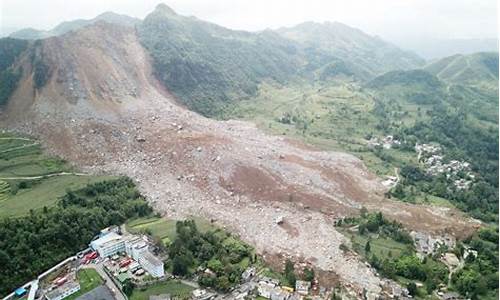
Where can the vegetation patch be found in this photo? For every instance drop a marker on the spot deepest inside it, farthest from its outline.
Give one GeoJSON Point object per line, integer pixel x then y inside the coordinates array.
{"type": "Point", "coordinates": [217, 257]}
{"type": "Point", "coordinates": [389, 248]}
{"type": "Point", "coordinates": [478, 279]}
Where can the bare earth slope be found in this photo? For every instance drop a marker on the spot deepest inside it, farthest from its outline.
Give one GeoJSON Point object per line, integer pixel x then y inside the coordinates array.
{"type": "Point", "coordinates": [103, 110]}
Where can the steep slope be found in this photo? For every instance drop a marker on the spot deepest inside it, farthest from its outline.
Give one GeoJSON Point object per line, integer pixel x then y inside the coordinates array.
{"type": "Point", "coordinates": [10, 49]}
{"type": "Point", "coordinates": [101, 108]}
{"type": "Point", "coordinates": [466, 69]}
{"type": "Point", "coordinates": [206, 65]}
{"type": "Point", "coordinates": [64, 27]}
{"type": "Point", "coordinates": [369, 54]}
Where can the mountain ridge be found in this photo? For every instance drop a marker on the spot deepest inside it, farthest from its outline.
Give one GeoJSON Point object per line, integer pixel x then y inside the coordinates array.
{"type": "Point", "coordinates": [67, 26]}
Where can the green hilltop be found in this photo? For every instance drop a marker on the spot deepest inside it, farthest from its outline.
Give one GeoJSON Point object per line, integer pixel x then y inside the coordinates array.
{"type": "Point", "coordinates": [473, 68]}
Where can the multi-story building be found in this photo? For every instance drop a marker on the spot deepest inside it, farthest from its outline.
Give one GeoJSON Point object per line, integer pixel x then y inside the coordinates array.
{"type": "Point", "coordinates": [138, 250]}
{"type": "Point", "coordinates": [134, 246]}
{"type": "Point", "coordinates": [151, 264]}
{"type": "Point", "coordinates": [108, 244]}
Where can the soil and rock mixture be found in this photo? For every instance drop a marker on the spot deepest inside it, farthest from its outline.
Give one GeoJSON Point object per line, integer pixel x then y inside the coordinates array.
{"type": "Point", "coordinates": [103, 110]}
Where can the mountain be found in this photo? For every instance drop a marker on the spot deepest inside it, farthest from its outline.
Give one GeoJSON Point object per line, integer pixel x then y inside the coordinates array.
{"type": "Point", "coordinates": [207, 65]}
{"type": "Point", "coordinates": [466, 69]}
{"type": "Point", "coordinates": [370, 54]}
{"type": "Point", "coordinates": [64, 27]}
{"type": "Point", "coordinates": [101, 98]}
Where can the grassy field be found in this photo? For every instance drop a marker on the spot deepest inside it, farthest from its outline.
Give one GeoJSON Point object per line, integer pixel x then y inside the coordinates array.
{"type": "Point", "coordinates": [174, 288]}
{"type": "Point", "coordinates": [162, 228]}
{"type": "Point", "coordinates": [25, 181]}
{"type": "Point", "coordinates": [89, 279]}
{"type": "Point", "coordinates": [381, 247]}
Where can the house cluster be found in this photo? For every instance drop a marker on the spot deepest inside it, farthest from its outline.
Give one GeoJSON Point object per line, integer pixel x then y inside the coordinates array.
{"type": "Point", "coordinates": [459, 172]}
{"type": "Point", "coordinates": [270, 288]}
{"type": "Point", "coordinates": [386, 142]}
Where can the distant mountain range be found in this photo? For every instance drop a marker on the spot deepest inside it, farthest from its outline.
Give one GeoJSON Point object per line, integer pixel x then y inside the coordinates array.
{"type": "Point", "coordinates": [432, 49]}
{"type": "Point", "coordinates": [64, 27]}
{"type": "Point", "coordinates": [370, 54]}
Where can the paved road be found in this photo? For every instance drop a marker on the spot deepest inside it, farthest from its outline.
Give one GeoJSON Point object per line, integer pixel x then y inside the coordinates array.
{"type": "Point", "coordinates": [109, 282]}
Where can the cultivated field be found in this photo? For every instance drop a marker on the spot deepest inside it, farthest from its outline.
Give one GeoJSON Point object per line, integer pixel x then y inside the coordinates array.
{"type": "Point", "coordinates": [29, 179]}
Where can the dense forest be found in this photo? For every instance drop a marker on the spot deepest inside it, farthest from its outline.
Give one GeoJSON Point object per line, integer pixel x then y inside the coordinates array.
{"type": "Point", "coordinates": [32, 244]}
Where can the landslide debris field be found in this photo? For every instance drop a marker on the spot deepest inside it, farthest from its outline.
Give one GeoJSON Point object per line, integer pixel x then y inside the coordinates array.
{"type": "Point", "coordinates": [102, 109]}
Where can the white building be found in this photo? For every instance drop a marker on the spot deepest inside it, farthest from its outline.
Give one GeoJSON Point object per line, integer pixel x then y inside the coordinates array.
{"type": "Point", "coordinates": [108, 244]}
{"type": "Point", "coordinates": [151, 264]}
{"type": "Point", "coordinates": [63, 291]}
{"type": "Point", "coordinates": [137, 248]}
{"type": "Point", "coordinates": [302, 287]}
{"type": "Point", "coordinates": [134, 246]}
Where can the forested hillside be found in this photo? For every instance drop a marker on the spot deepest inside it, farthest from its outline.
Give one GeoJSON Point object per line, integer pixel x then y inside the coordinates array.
{"type": "Point", "coordinates": [210, 67]}
{"type": "Point", "coordinates": [9, 51]}
{"type": "Point", "coordinates": [206, 65]}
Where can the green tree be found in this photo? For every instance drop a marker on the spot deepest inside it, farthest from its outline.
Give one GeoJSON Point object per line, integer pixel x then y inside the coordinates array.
{"type": "Point", "coordinates": [412, 288]}
{"type": "Point", "coordinates": [367, 247]}
{"type": "Point", "coordinates": [290, 273]}
{"type": "Point", "coordinates": [308, 274]}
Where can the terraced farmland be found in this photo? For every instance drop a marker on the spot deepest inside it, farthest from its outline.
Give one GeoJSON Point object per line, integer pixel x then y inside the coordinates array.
{"type": "Point", "coordinates": [30, 179]}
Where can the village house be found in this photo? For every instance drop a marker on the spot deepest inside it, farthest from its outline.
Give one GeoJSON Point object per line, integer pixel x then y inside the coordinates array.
{"type": "Point", "coordinates": [302, 287]}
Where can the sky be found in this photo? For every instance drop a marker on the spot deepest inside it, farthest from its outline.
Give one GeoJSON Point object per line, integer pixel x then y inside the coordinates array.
{"type": "Point", "coordinates": [390, 19]}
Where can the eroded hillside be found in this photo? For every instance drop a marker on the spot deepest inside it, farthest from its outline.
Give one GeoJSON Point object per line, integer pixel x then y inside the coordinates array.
{"type": "Point", "coordinates": [102, 109]}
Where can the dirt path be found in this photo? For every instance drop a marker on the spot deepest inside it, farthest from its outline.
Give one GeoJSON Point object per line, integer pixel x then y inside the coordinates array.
{"type": "Point", "coordinates": [15, 138]}
{"type": "Point", "coordinates": [19, 147]}
{"type": "Point", "coordinates": [43, 176]}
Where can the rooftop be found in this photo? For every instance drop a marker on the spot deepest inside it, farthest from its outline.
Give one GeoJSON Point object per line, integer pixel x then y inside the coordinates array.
{"type": "Point", "coordinates": [151, 258]}
{"type": "Point", "coordinates": [108, 238]}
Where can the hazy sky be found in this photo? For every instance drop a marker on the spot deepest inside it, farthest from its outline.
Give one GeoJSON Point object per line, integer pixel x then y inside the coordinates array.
{"type": "Point", "coordinates": [391, 19]}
